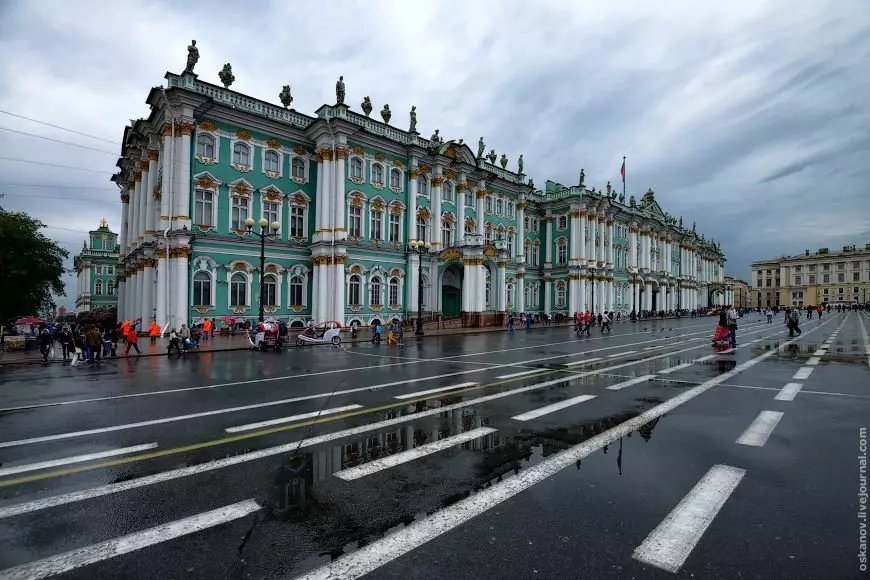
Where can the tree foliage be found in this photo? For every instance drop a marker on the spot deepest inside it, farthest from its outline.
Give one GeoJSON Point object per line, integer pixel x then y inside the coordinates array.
{"type": "Point", "coordinates": [31, 266]}
{"type": "Point", "coordinates": [103, 316]}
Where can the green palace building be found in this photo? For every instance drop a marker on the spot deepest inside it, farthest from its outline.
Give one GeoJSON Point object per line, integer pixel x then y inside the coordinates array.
{"type": "Point", "coordinates": [348, 194]}
{"type": "Point", "coordinates": [97, 269]}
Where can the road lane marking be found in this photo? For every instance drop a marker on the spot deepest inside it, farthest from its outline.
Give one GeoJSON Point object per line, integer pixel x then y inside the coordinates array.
{"type": "Point", "coordinates": [652, 347]}
{"type": "Point", "coordinates": [803, 373]}
{"type": "Point", "coordinates": [75, 459]}
{"type": "Point", "coordinates": [757, 434]}
{"type": "Point", "coordinates": [521, 374]}
{"type": "Point", "coordinates": [411, 454]}
{"type": "Point", "coordinates": [813, 360]}
{"type": "Point", "coordinates": [540, 412]}
{"type": "Point", "coordinates": [789, 392]}
{"type": "Point", "coordinates": [705, 357]}
{"type": "Point", "coordinates": [581, 362]}
{"type": "Point", "coordinates": [669, 545]}
{"type": "Point", "coordinates": [356, 369]}
{"type": "Point", "coordinates": [674, 369]}
{"type": "Point", "coordinates": [290, 419]}
{"type": "Point", "coordinates": [382, 551]}
{"type": "Point", "coordinates": [621, 354]}
{"type": "Point", "coordinates": [438, 390]}
{"type": "Point", "coordinates": [635, 381]}
{"type": "Point", "coordinates": [109, 549]}
{"type": "Point", "coordinates": [68, 498]}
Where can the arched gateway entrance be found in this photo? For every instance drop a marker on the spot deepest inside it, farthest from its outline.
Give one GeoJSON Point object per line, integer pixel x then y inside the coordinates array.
{"type": "Point", "coordinates": [451, 290]}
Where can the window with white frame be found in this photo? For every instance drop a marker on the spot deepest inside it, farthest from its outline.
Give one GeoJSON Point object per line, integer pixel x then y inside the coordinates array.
{"type": "Point", "coordinates": [99, 269]}
{"type": "Point", "coordinates": [298, 168]}
{"type": "Point", "coordinates": [487, 204]}
{"type": "Point", "coordinates": [110, 288]}
{"type": "Point", "coordinates": [527, 295]}
{"type": "Point", "coordinates": [499, 207]}
{"type": "Point", "coordinates": [296, 288]}
{"type": "Point", "coordinates": [509, 294]}
{"type": "Point", "coordinates": [447, 191]}
{"type": "Point", "coordinates": [421, 228]}
{"type": "Point", "coordinates": [560, 295]}
{"type": "Point", "coordinates": [562, 252]}
{"type": "Point", "coordinates": [499, 233]}
{"type": "Point", "coordinates": [242, 154]}
{"type": "Point", "coordinates": [487, 293]}
{"type": "Point", "coordinates": [202, 289]}
{"type": "Point", "coordinates": [469, 229]}
{"type": "Point", "coordinates": [469, 198]}
{"type": "Point", "coordinates": [203, 207]}
{"type": "Point", "coordinates": [535, 252]}
{"type": "Point", "coordinates": [297, 221]}
{"type": "Point", "coordinates": [272, 211]}
{"type": "Point", "coordinates": [356, 168]}
{"type": "Point", "coordinates": [510, 243]}
{"type": "Point", "coordinates": [241, 207]}
{"type": "Point", "coordinates": [98, 288]}
{"type": "Point", "coordinates": [394, 291]}
{"type": "Point", "coordinates": [272, 162]}
{"type": "Point", "coordinates": [511, 210]}
{"type": "Point", "coordinates": [446, 233]}
{"type": "Point", "coordinates": [354, 219]}
{"type": "Point", "coordinates": [205, 145]}
{"type": "Point", "coordinates": [527, 246]}
{"type": "Point", "coordinates": [375, 291]}
{"type": "Point", "coordinates": [110, 270]}
{"type": "Point", "coordinates": [487, 234]}
{"type": "Point", "coordinates": [536, 295]}
{"type": "Point", "coordinates": [238, 289]}
{"type": "Point", "coordinates": [563, 222]}
{"type": "Point", "coordinates": [376, 232]}
{"type": "Point", "coordinates": [422, 185]}
{"type": "Point", "coordinates": [377, 174]}
{"type": "Point", "coordinates": [395, 227]}
{"type": "Point", "coordinates": [354, 286]}
{"type": "Point", "coordinates": [270, 290]}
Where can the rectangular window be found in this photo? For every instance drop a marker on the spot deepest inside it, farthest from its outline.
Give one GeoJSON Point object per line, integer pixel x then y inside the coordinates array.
{"type": "Point", "coordinates": [563, 222]}
{"type": "Point", "coordinates": [826, 267]}
{"type": "Point", "coordinates": [297, 221]}
{"type": "Point", "coordinates": [270, 291]}
{"type": "Point", "coordinates": [394, 292]}
{"type": "Point", "coordinates": [511, 210]}
{"type": "Point", "coordinates": [99, 270]}
{"type": "Point", "coordinates": [499, 207]}
{"type": "Point", "coordinates": [110, 289]}
{"type": "Point", "coordinates": [856, 276]}
{"type": "Point", "coordinates": [446, 235]}
{"type": "Point", "coordinates": [562, 255]}
{"type": "Point", "coordinates": [377, 232]}
{"type": "Point", "coordinates": [354, 226]}
{"type": "Point", "coordinates": [240, 210]}
{"type": "Point", "coordinates": [510, 245]}
{"type": "Point", "coordinates": [421, 229]}
{"type": "Point", "coordinates": [812, 267]}
{"type": "Point", "coordinates": [841, 277]}
{"type": "Point", "coordinates": [841, 265]}
{"type": "Point", "coordinates": [395, 224]}
{"type": "Point", "coordinates": [110, 270]}
{"type": "Point", "coordinates": [271, 212]}
{"type": "Point", "coordinates": [826, 278]}
{"type": "Point", "coordinates": [202, 207]}
{"type": "Point", "coordinates": [395, 179]}
{"type": "Point", "coordinates": [797, 280]}
{"type": "Point", "coordinates": [797, 268]}
{"type": "Point", "coordinates": [488, 204]}
{"type": "Point", "coordinates": [296, 291]}
{"type": "Point", "coordinates": [469, 199]}
{"type": "Point", "coordinates": [812, 278]}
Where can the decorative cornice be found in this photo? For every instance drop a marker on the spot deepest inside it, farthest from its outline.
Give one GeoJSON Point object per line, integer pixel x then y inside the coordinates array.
{"type": "Point", "coordinates": [153, 154]}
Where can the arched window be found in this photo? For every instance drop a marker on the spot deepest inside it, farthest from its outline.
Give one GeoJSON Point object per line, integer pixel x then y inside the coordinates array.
{"type": "Point", "coordinates": [488, 291]}
{"type": "Point", "coordinates": [238, 289]}
{"type": "Point", "coordinates": [562, 253]}
{"type": "Point", "coordinates": [510, 243]}
{"type": "Point", "coordinates": [272, 161]}
{"type": "Point", "coordinates": [241, 154]}
{"type": "Point", "coordinates": [446, 233]}
{"type": "Point", "coordinates": [378, 173]}
{"type": "Point", "coordinates": [270, 291]}
{"type": "Point", "coordinates": [395, 178]}
{"type": "Point", "coordinates": [375, 291]}
{"type": "Point", "coordinates": [560, 295]}
{"type": "Point", "coordinates": [296, 291]}
{"type": "Point", "coordinates": [394, 291]}
{"type": "Point", "coordinates": [205, 145]}
{"type": "Point", "coordinates": [499, 207]}
{"type": "Point", "coordinates": [110, 288]}
{"type": "Point", "coordinates": [421, 229]}
{"type": "Point", "coordinates": [487, 234]}
{"type": "Point", "coordinates": [487, 204]}
{"type": "Point", "coordinates": [469, 198]}
{"type": "Point", "coordinates": [98, 288]}
{"type": "Point", "coordinates": [353, 295]}
{"type": "Point", "coordinates": [422, 185]}
{"type": "Point", "coordinates": [447, 191]}
{"type": "Point", "coordinates": [469, 229]}
{"type": "Point", "coordinates": [298, 168]}
{"type": "Point", "coordinates": [527, 293]}
{"type": "Point", "coordinates": [509, 295]}
{"type": "Point", "coordinates": [356, 168]}
{"type": "Point", "coordinates": [201, 289]}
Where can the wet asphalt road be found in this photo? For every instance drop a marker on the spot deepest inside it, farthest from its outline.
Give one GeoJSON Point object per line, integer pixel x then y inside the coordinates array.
{"type": "Point", "coordinates": [218, 465]}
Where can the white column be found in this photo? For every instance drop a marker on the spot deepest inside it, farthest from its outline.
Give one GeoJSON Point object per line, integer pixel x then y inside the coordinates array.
{"type": "Point", "coordinates": [122, 296]}
{"type": "Point", "coordinates": [581, 238]}
{"type": "Point", "coordinates": [548, 286]}
{"type": "Point", "coordinates": [125, 211]}
{"type": "Point", "coordinates": [325, 210]}
{"type": "Point", "coordinates": [548, 248]}
{"type": "Point", "coordinates": [339, 304]}
{"type": "Point", "coordinates": [167, 182]}
{"type": "Point", "coordinates": [180, 288]}
{"type": "Point", "coordinates": [337, 198]}
{"type": "Point", "coordinates": [574, 247]}
{"type": "Point", "coordinates": [573, 294]}
{"type": "Point", "coordinates": [162, 288]}
{"type": "Point", "coordinates": [182, 194]}
{"type": "Point", "coordinates": [322, 304]}
{"type": "Point", "coordinates": [520, 246]}
{"type": "Point", "coordinates": [434, 287]}
{"type": "Point", "coordinates": [467, 275]}
{"type": "Point", "coordinates": [608, 290]}
{"type": "Point", "coordinates": [146, 311]}
{"type": "Point", "coordinates": [133, 305]}
{"type": "Point", "coordinates": [435, 203]}
{"type": "Point", "coordinates": [480, 288]}
{"type": "Point", "coordinates": [314, 299]}
{"type": "Point", "coordinates": [581, 302]}
{"type": "Point", "coordinates": [460, 211]}
{"type": "Point", "coordinates": [481, 214]}
{"type": "Point", "coordinates": [521, 292]}
{"type": "Point", "coordinates": [150, 205]}
{"type": "Point", "coordinates": [412, 211]}
{"type": "Point", "coordinates": [133, 222]}
{"type": "Point", "coordinates": [593, 231]}
{"type": "Point", "coordinates": [318, 193]}
{"type": "Point", "coordinates": [609, 230]}
{"type": "Point", "coordinates": [143, 200]}
{"type": "Point", "coordinates": [501, 288]}
{"type": "Point", "coordinates": [632, 248]}
{"type": "Point", "coordinates": [413, 277]}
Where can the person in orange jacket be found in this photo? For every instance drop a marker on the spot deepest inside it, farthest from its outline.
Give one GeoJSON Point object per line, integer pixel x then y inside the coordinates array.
{"type": "Point", "coordinates": [125, 329]}
{"type": "Point", "coordinates": [153, 331]}
{"type": "Point", "coordinates": [206, 329]}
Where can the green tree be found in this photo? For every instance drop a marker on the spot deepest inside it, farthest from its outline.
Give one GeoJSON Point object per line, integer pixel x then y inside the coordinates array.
{"type": "Point", "coordinates": [31, 266]}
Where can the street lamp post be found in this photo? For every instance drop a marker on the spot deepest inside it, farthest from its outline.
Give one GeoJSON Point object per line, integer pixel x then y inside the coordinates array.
{"type": "Point", "coordinates": [264, 234]}
{"type": "Point", "coordinates": [419, 247]}
{"type": "Point", "coordinates": [633, 271]}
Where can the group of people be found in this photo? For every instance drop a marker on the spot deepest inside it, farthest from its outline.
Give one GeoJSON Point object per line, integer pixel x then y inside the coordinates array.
{"type": "Point", "coordinates": [89, 343]}
{"type": "Point", "coordinates": [583, 322]}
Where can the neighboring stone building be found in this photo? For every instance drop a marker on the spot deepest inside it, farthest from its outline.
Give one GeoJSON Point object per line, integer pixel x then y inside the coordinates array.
{"type": "Point", "coordinates": [95, 270]}
{"type": "Point", "coordinates": [348, 193]}
{"type": "Point", "coordinates": [810, 279]}
{"type": "Point", "coordinates": [740, 291]}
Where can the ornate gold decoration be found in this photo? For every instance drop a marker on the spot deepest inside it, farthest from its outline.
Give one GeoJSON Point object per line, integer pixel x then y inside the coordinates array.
{"type": "Point", "coordinates": [355, 270]}
{"type": "Point", "coordinates": [243, 135]}
{"type": "Point", "coordinates": [395, 272]}
{"type": "Point", "coordinates": [481, 193]}
{"type": "Point", "coordinates": [490, 251]}
{"type": "Point", "coordinates": [241, 189]}
{"type": "Point", "coordinates": [342, 152]}
{"type": "Point", "coordinates": [239, 266]}
{"type": "Point", "coordinates": [396, 209]}
{"type": "Point", "coordinates": [207, 126]}
{"type": "Point", "coordinates": [502, 263]}
{"type": "Point", "coordinates": [204, 182]}
{"type": "Point", "coordinates": [470, 223]}
{"type": "Point", "coordinates": [398, 163]}
{"type": "Point", "coordinates": [377, 205]}
{"type": "Point", "coordinates": [437, 181]}
{"type": "Point", "coordinates": [242, 168]}
{"type": "Point", "coordinates": [521, 275]}
{"type": "Point", "coordinates": [448, 219]}
{"type": "Point", "coordinates": [272, 269]}
{"type": "Point", "coordinates": [423, 213]}
{"type": "Point", "coordinates": [424, 168]}
{"type": "Point", "coordinates": [574, 213]}
{"type": "Point", "coordinates": [474, 261]}
{"type": "Point", "coordinates": [299, 199]}
{"type": "Point", "coordinates": [449, 174]}
{"type": "Point", "coordinates": [379, 157]}
{"type": "Point", "coordinates": [359, 150]}
{"type": "Point", "coordinates": [184, 252]}
{"type": "Point", "coordinates": [203, 229]}
{"type": "Point", "coordinates": [452, 152]}
{"type": "Point", "coordinates": [272, 174]}
{"type": "Point", "coordinates": [137, 177]}
{"type": "Point", "coordinates": [300, 150]}
{"type": "Point", "coordinates": [148, 263]}
{"type": "Point", "coordinates": [548, 218]}
{"type": "Point", "coordinates": [273, 195]}
{"type": "Point", "coordinates": [273, 143]}
{"type": "Point", "coordinates": [521, 205]}
{"type": "Point", "coordinates": [166, 129]}
{"type": "Point", "coordinates": [185, 128]}
{"type": "Point", "coordinates": [202, 309]}
{"type": "Point", "coordinates": [339, 259]}
{"type": "Point", "coordinates": [461, 187]}
{"type": "Point", "coordinates": [356, 199]}
{"type": "Point", "coordinates": [153, 154]}
{"type": "Point", "coordinates": [125, 198]}
{"type": "Point", "coordinates": [414, 173]}
{"type": "Point", "coordinates": [240, 309]}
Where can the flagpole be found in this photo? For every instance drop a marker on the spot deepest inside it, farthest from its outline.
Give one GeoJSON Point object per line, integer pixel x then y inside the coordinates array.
{"type": "Point", "coordinates": [623, 177]}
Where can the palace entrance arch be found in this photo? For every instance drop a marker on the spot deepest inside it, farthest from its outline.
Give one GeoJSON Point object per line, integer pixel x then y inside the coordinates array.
{"type": "Point", "coordinates": [451, 290]}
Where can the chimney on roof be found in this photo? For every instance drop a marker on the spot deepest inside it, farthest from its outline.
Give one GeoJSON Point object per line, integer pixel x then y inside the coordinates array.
{"type": "Point", "coordinates": [806, 252]}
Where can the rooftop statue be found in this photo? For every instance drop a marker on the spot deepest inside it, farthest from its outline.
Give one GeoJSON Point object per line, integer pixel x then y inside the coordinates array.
{"type": "Point", "coordinates": [480, 147]}
{"type": "Point", "coordinates": [621, 198]}
{"type": "Point", "coordinates": [632, 202]}
{"type": "Point", "coordinates": [503, 161]}
{"type": "Point", "coordinates": [386, 114]}
{"type": "Point", "coordinates": [609, 189]}
{"type": "Point", "coordinates": [192, 57]}
{"type": "Point", "coordinates": [286, 96]}
{"type": "Point", "coordinates": [582, 182]}
{"type": "Point", "coordinates": [339, 91]}
{"type": "Point", "coordinates": [492, 156]}
{"type": "Point", "coordinates": [520, 164]}
{"type": "Point", "coordinates": [366, 106]}
{"type": "Point", "coordinates": [412, 128]}
{"type": "Point", "coordinates": [226, 75]}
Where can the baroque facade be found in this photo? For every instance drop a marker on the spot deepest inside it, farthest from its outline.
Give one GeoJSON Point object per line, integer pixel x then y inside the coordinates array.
{"type": "Point", "coordinates": [95, 268]}
{"type": "Point", "coordinates": [348, 193]}
{"type": "Point", "coordinates": [813, 278]}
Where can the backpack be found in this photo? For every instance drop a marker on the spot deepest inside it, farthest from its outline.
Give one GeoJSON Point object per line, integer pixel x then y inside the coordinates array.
{"type": "Point", "coordinates": [794, 317]}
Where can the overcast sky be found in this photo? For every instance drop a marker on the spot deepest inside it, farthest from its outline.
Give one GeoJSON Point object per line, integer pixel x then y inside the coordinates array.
{"type": "Point", "coordinates": [748, 117]}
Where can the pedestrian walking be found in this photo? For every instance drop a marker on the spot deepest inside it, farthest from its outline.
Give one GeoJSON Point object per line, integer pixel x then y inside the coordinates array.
{"type": "Point", "coordinates": [44, 344]}
{"type": "Point", "coordinates": [510, 327]}
{"type": "Point", "coordinates": [153, 332]}
{"type": "Point", "coordinates": [174, 342]}
{"type": "Point", "coordinates": [793, 320]}
{"type": "Point", "coordinates": [132, 342]}
{"type": "Point", "coordinates": [732, 325]}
